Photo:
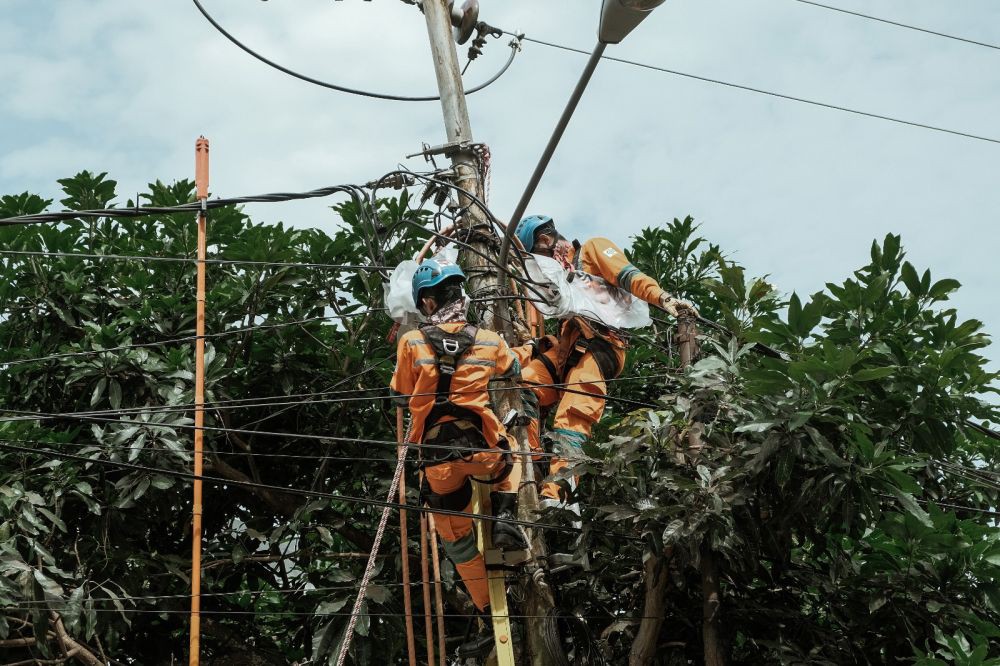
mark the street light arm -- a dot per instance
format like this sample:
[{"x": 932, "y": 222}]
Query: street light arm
[{"x": 543, "y": 161}]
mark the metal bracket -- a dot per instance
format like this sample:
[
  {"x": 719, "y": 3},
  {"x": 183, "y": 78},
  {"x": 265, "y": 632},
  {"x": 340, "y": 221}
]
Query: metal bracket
[{"x": 446, "y": 149}]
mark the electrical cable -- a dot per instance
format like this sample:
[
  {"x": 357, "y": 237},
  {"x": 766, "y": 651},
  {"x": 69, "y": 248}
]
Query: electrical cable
[
  {"x": 283, "y": 401},
  {"x": 947, "y": 505},
  {"x": 33, "y": 416},
  {"x": 165, "y": 611},
  {"x": 364, "y": 501},
  {"x": 278, "y": 591},
  {"x": 769, "y": 93},
  {"x": 188, "y": 338},
  {"x": 900, "y": 25},
  {"x": 247, "y": 454},
  {"x": 192, "y": 260},
  {"x": 279, "y": 400},
  {"x": 192, "y": 207},
  {"x": 514, "y": 48}
]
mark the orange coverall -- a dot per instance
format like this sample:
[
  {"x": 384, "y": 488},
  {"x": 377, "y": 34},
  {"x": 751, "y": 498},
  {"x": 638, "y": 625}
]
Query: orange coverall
[
  {"x": 414, "y": 384},
  {"x": 575, "y": 413}
]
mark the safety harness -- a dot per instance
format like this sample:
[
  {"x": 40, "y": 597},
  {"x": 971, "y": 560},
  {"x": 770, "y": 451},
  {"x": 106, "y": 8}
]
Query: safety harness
[
  {"x": 448, "y": 349},
  {"x": 464, "y": 433}
]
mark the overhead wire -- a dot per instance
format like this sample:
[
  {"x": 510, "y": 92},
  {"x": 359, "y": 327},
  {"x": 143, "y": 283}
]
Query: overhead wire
[
  {"x": 33, "y": 416},
  {"x": 350, "y": 499},
  {"x": 191, "y": 207},
  {"x": 187, "y": 338},
  {"x": 247, "y": 454},
  {"x": 770, "y": 93},
  {"x": 165, "y": 611},
  {"x": 898, "y": 24},
  {"x": 514, "y": 49},
  {"x": 348, "y": 396},
  {"x": 193, "y": 260}
]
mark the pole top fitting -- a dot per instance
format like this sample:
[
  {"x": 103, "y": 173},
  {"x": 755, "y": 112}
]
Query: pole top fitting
[{"x": 201, "y": 167}]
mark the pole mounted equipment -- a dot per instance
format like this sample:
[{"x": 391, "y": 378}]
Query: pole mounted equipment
[
  {"x": 464, "y": 19},
  {"x": 620, "y": 17}
]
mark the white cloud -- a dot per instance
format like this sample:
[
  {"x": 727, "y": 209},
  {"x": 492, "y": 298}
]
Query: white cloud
[{"x": 794, "y": 191}]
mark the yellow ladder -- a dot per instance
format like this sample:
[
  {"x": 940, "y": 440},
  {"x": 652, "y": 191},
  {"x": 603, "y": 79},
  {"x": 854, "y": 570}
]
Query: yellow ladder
[{"x": 497, "y": 579}]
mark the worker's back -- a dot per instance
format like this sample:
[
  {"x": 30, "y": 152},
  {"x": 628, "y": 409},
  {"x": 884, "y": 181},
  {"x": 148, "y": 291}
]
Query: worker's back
[{"x": 417, "y": 376}]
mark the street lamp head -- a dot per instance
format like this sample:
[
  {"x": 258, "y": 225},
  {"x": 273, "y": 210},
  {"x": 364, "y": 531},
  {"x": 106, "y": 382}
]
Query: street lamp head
[{"x": 620, "y": 17}]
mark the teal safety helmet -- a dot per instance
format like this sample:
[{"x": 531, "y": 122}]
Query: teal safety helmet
[
  {"x": 431, "y": 273},
  {"x": 527, "y": 227}
]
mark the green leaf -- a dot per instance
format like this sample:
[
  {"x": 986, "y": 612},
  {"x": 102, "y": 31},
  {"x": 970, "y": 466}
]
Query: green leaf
[
  {"x": 942, "y": 288},
  {"x": 910, "y": 504},
  {"x": 910, "y": 279},
  {"x": 115, "y": 394},
  {"x": 870, "y": 374}
]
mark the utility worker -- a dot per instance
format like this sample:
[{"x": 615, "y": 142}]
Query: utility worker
[
  {"x": 443, "y": 370},
  {"x": 585, "y": 353}
]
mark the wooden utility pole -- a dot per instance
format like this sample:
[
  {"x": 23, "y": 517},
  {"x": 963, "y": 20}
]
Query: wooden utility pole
[{"x": 485, "y": 281}]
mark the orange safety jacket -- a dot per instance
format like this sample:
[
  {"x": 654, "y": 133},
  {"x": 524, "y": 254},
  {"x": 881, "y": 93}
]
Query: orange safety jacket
[
  {"x": 415, "y": 380},
  {"x": 604, "y": 259}
]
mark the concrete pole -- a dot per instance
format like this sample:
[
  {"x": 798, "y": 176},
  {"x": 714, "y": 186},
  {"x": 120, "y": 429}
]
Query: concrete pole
[{"x": 484, "y": 281}]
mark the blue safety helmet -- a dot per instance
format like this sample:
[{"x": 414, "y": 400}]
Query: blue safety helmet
[
  {"x": 431, "y": 273},
  {"x": 527, "y": 227}
]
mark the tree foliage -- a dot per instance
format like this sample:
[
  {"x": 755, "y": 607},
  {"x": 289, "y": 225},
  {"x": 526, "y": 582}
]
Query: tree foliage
[{"x": 839, "y": 487}]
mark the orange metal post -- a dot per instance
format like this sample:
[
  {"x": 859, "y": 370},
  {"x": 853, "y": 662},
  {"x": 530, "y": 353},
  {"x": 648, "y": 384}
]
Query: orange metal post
[
  {"x": 201, "y": 183},
  {"x": 411, "y": 648},
  {"x": 424, "y": 574},
  {"x": 438, "y": 598}
]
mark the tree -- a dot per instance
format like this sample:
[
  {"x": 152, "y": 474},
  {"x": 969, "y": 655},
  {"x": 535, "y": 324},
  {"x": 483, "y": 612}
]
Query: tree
[
  {"x": 107, "y": 549},
  {"x": 840, "y": 493},
  {"x": 840, "y": 489}
]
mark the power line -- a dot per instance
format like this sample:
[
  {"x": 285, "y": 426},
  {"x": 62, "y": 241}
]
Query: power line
[
  {"x": 514, "y": 48},
  {"x": 769, "y": 93},
  {"x": 285, "y": 400},
  {"x": 248, "y": 454},
  {"x": 33, "y": 416},
  {"x": 365, "y": 501},
  {"x": 192, "y": 207},
  {"x": 188, "y": 338},
  {"x": 256, "y": 593},
  {"x": 901, "y": 25},
  {"x": 192, "y": 260},
  {"x": 513, "y": 616}
]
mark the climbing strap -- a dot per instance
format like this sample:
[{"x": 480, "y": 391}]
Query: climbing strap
[{"x": 603, "y": 352}]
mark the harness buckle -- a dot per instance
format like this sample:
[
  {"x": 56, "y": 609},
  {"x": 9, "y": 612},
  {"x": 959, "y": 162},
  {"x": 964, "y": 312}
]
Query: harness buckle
[
  {"x": 446, "y": 365},
  {"x": 450, "y": 345}
]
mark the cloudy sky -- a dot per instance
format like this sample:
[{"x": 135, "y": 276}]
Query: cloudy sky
[{"x": 793, "y": 191}]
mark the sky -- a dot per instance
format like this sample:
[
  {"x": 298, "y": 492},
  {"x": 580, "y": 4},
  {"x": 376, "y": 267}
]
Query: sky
[{"x": 792, "y": 191}]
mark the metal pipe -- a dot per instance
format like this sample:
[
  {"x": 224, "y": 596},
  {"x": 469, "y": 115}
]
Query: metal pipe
[
  {"x": 404, "y": 542},
  {"x": 438, "y": 592},
  {"x": 201, "y": 184},
  {"x": 550, "y": 148},
  {"x": 425, "y": 584}
]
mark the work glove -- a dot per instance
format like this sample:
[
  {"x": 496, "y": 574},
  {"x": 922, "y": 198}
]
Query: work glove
[{"x": 677, "y": 308}]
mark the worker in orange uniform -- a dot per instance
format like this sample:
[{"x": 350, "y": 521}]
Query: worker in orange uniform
[
  {"x": 443, "y": 370},
  {"x": 585, "y": 353}
]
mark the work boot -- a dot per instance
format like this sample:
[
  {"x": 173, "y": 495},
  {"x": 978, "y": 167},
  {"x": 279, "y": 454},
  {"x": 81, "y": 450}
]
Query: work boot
[
  {"x": 507, "y": 536},
  {"x": 480, "y": 643}
]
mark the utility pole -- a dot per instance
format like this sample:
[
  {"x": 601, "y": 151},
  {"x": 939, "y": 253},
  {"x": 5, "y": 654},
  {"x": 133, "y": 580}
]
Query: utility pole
[{"x": 485, "y": 280}]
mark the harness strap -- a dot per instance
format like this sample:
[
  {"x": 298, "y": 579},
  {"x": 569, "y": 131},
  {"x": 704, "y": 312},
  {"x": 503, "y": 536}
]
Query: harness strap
[{"x": 448, "y": 349}]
